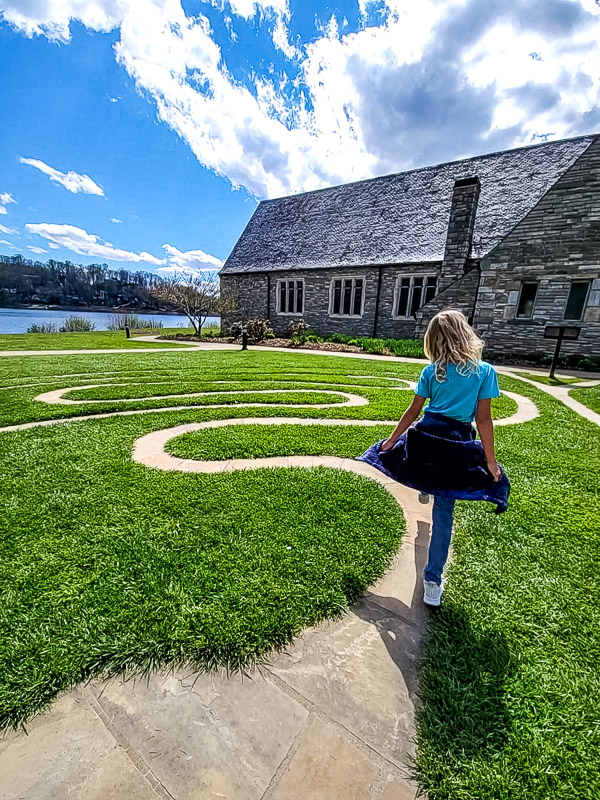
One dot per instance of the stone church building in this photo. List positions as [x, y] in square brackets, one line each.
[511, 238]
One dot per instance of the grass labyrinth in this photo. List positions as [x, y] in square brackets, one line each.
[107, 565]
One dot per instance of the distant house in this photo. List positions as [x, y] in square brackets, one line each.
[511, 238]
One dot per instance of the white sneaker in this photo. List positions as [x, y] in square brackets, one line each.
[424, 497]
[432, 592]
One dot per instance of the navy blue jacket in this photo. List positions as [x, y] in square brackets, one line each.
[441, 456]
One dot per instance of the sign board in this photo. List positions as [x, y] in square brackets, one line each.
[568, 332]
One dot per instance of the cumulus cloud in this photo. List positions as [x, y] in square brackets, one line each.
[7, 231]
[87, 244]
[9, 244]
[80, 241]
[417, 83]
[72, 181]
[38, 250]
[116, 221]
[191, 260]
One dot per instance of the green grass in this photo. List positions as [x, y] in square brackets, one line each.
[78, 341]
[106, 565]
[111, 566]
[589, 397]
[510, 684]
[260, 441]
[178, 373]
[561, 380]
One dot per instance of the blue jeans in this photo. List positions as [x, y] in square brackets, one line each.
[441, 533]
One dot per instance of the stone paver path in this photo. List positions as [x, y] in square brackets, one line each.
[562, 393]
[330, 717]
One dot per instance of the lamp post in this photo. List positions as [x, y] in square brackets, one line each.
[244, 337]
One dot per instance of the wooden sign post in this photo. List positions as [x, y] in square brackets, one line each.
[559, 332]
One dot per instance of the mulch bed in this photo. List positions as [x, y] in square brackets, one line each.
[332, 346]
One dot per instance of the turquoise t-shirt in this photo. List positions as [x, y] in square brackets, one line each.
[458, 395]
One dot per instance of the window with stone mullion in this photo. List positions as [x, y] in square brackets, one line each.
[413, 292]
[347, 297]
[291, 297]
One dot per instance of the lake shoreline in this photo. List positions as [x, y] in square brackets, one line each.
[19, 319]
[95, 309]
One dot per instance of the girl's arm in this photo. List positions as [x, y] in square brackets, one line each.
[485, 426]
[409, 416]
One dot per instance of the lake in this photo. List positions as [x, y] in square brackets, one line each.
[17, 320]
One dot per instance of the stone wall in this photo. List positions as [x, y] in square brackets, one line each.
[251, 290]
[250, 293]
[461, 224]
[460, 294]
[556, 243]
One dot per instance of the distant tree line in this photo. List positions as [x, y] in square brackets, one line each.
[62, 283]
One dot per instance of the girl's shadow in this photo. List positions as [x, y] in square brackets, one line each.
[459, 690]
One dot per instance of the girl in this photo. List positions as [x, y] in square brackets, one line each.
[440, 455]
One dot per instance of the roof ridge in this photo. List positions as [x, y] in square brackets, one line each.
[590, 136]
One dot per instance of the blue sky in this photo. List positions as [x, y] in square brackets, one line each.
[143, 133]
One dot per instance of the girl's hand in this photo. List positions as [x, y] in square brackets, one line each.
[387, 445]
[495, 470]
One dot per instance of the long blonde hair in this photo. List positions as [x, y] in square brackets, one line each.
[450, 339]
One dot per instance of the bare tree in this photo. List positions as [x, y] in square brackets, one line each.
[197, 295]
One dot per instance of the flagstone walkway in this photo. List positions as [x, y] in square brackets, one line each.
[332, 717]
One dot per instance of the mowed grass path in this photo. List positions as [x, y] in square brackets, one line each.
[106, 565]
[590, 397]
[94, 340]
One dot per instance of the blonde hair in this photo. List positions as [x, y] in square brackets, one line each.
[450, 339]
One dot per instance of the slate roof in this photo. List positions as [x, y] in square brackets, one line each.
[401, 218]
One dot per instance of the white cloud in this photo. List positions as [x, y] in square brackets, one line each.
[38, 250]
[190, 260]
[72, 181]
[87, 244]
[114, 99]
[116, 221]
[281, 38]
[9, 244]
[249, 8]
[53, 17]
[8, 231]
[418, 83]
[5, 199]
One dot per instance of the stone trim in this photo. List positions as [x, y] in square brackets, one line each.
[409, 317]
[278, 283]
[352, 278]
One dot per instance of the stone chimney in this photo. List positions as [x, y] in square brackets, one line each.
[460, 229]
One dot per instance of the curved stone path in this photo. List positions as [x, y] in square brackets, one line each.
[526, 409]
[331, 718]
[563, 393]
[559, 393]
